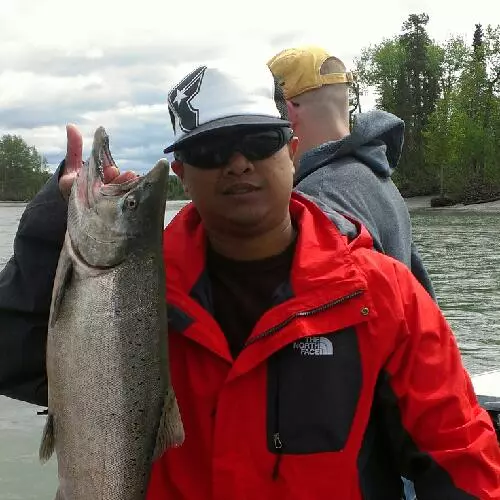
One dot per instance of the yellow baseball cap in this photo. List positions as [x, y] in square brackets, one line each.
[298, 70]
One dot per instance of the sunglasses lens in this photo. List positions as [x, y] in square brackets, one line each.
[263, 145]
[216, 152]
[207, 156]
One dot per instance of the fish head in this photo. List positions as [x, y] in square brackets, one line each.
[106, 222]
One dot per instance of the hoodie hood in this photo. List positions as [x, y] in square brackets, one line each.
[376, 140]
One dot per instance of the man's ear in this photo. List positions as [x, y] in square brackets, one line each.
[178, 169]
[292, 149]
[292, 113]
[294, 144]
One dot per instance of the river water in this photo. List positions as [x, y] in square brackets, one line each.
[458, 248]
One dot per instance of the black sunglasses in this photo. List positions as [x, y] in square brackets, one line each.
[215, 151]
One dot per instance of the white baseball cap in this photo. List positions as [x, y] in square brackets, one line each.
[213, 97]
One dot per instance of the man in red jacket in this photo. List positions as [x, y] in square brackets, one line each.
[306, 364]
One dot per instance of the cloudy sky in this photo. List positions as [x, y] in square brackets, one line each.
[97, 62]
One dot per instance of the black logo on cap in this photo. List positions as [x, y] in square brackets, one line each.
[179, 100]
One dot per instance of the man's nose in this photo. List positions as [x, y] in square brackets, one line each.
[238, 165]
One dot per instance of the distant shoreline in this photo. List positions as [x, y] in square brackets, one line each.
[423, 204]
[171, 204]
[415, 204]
[176, 204]
[7, 203]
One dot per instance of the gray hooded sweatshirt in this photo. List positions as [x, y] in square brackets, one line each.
[352, 176]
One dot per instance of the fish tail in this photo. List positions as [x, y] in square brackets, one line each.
[59, 495]
[171, 430]
[48, 440]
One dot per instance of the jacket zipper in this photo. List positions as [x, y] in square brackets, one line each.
[302, 314]
[277, 441]
[278, 445]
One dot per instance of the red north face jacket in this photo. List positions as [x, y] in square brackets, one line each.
[351, 380]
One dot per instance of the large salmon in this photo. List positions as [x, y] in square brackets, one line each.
[112, 409]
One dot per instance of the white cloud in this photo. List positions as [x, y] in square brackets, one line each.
[99, 62]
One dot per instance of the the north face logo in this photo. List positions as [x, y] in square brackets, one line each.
[314, 346]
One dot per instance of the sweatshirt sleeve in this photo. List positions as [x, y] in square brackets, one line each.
[352, 189]
[443, 440]
[25, 295]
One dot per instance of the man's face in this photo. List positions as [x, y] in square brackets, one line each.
[240, 182]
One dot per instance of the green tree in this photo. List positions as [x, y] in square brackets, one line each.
[478, 41]
[440, 134]
[406, 71]
[379, 67]
[478, 106]
[23, 171]
[418, 94]
[463, 133]
[175, 189]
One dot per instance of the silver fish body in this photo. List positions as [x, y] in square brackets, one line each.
[112, 409]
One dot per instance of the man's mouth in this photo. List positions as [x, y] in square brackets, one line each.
[243, 188]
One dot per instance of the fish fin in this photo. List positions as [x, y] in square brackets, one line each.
[61, 281]
[59, 495]
[171, 430]
[48, 440]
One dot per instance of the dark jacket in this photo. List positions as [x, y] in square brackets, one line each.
[25, 295]
[353, 177]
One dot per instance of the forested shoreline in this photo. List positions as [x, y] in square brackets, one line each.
[448, 95]
[23, 172]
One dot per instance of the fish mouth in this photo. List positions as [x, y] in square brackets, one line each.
[121, 188]
[103, 153]
[91, 176]
[91, 180]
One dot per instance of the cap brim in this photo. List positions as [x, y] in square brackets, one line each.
[230, 121]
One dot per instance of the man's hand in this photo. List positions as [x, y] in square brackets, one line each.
[74, 160]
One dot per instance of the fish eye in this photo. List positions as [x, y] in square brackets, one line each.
[131, 202]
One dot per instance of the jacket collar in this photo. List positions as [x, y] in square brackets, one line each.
[322, 252]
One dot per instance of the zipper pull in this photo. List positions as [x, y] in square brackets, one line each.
[277, 441]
